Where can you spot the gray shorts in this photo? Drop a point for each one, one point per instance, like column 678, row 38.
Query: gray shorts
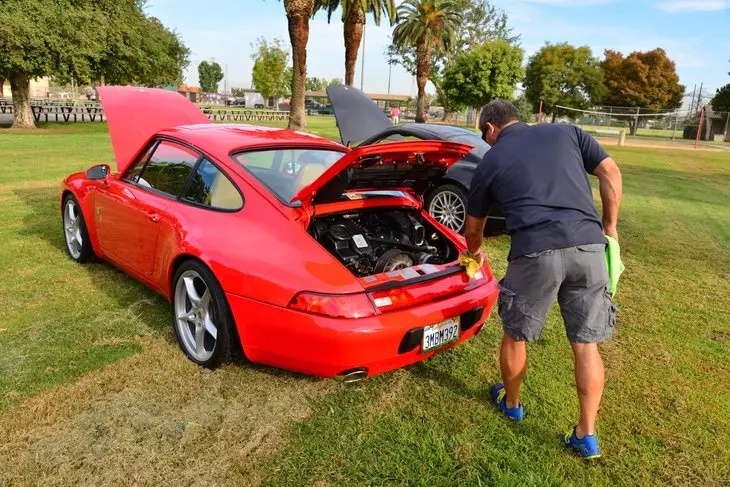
column 577, row 276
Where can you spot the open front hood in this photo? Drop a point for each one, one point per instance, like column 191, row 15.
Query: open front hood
column 136, row 114
column 358, row 117
column 412, row 165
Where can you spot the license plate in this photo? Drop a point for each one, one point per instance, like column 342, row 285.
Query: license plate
column 436, row 336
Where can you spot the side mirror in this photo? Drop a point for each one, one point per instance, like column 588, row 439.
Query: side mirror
column 98, row 172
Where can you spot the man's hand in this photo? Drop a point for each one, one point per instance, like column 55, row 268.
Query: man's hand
column 611, row 232
column 611, row 187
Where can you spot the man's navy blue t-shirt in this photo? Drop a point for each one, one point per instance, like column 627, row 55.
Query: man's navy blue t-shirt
column 539, row 175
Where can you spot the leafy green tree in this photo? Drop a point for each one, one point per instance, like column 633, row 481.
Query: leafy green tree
column 525, row 108
column 428, row 26
column 140, row 51
column 209, row 75
column 353, row 18
column 642, row 80
column 316, row 84
column 83, row 40
column 335, row 81
column 238, row 92
column 481, row 22
column 483, row 73
column 298, row 13
column 721, row 101
column 269, row 69
column 562, row 74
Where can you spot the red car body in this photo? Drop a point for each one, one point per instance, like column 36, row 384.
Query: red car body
column 262, row 255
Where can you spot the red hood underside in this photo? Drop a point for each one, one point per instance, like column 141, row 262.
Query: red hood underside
column 135, row 115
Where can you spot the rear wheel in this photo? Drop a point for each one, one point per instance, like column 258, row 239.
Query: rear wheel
column 75, row 234
column 201, row 316
column 447, row 204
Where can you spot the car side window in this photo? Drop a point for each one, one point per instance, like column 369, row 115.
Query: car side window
column 133, row 172
column 168, row 168
column 209, row 186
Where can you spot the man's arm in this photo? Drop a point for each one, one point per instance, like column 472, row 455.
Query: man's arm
column 474, row 232
column 611, row 187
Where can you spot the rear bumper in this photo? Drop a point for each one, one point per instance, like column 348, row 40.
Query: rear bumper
column 326, row 347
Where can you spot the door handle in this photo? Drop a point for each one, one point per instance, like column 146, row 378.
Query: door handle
column 154, row 217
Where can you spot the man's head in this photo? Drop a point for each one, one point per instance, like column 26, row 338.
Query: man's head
column 496, row 115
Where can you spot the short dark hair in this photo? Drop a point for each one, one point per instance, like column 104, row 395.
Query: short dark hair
column 498, row 113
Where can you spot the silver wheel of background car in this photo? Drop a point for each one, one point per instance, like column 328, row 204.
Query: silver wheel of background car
column 193, row 316
column 72, row 228
column 448, row 209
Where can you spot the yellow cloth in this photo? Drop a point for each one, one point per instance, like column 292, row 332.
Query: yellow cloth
column 471, row 264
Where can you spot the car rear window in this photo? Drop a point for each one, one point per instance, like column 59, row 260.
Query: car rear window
column 286, row 171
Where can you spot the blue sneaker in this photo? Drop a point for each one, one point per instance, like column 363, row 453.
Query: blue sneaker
column 586, row 447
column 499, row 397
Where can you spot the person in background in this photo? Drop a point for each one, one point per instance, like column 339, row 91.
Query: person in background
column 395, row 114
column 539, row 176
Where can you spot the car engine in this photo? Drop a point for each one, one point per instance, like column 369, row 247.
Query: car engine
column 374, row 241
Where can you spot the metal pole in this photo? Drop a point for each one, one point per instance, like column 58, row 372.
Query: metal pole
column 362, row 68
column 692, row 103
column 699, row 97
column 674, row 131
column 699, row 128
column 610, row 113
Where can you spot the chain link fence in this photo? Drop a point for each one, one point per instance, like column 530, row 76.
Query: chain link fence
column 667, row 125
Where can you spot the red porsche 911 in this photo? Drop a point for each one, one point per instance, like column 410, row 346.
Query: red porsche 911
column 310, row 256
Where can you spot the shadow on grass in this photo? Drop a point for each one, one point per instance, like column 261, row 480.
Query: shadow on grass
column 44, row 222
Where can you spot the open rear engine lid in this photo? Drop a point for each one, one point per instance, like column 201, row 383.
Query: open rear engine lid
column 412, row 165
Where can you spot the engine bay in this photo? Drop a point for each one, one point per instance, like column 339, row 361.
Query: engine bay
column 369, row 242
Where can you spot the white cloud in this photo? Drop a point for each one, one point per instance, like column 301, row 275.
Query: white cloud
column 673, row 6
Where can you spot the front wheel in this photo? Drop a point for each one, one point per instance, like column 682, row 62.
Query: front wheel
column 201, row 318
column 447, row 204
column 75, row 234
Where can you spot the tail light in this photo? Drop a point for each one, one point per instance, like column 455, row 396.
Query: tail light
column 333, row 305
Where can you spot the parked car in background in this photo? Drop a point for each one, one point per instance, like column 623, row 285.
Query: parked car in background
column 363, row 123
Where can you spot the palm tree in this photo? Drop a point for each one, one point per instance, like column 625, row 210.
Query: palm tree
column 426, row 25
column 298, row 13
column 353, row 17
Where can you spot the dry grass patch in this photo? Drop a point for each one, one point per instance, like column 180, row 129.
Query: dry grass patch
column 153, row 419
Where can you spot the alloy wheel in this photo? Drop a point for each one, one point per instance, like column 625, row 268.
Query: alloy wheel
column 72, row 228
column 194, row 316
column 448, row 209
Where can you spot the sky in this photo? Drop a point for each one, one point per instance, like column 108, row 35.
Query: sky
column 695, row 34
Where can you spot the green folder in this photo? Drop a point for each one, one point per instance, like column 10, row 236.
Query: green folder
column 613, row 262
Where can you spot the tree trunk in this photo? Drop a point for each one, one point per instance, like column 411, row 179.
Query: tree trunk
column 353, row 37
column 477, row 114
column 20, row 89
column 633, row 126
column 2, row 83
column 554, row 116
column 423, row 65
column 299, row 36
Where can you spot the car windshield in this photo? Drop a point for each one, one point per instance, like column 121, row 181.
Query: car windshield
column 472, row 138
column 286, row 171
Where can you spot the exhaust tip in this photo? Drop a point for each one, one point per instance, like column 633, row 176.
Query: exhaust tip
column 353, row 375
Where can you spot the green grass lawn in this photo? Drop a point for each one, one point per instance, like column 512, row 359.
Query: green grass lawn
column 93, row 389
